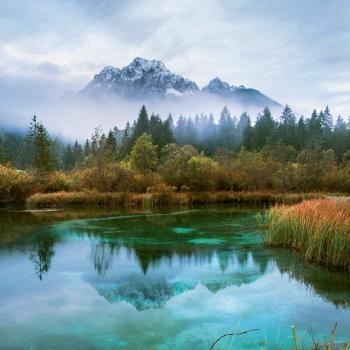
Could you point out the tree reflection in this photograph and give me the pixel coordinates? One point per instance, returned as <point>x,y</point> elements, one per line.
<point>41,254</point>
<point>102,256</point>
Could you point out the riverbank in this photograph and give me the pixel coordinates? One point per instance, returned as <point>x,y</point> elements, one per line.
<point>319,229</point>
<point>93,198</point>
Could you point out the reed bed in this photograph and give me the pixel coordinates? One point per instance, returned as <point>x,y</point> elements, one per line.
<point>320,229</point>
<point>94,198</point>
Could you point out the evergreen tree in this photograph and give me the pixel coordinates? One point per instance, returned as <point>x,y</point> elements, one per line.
<point>41,145</point>
<point>167,132</point>
<point>141,126</point>
<point>243,123</point>
<point>87,149</point>
<point>340,139</point>
<point>301,134</point>
<point>263,130</point>
<point>155,129</point>
<point>286,129</point>
<point>68,158</point>
<point>180,130</point>
<point>78,153</point>
<point>111,146</point>
<point>314,130</point>
<point>126,141</point>
<point>226,130</point>
<point>327,120</point>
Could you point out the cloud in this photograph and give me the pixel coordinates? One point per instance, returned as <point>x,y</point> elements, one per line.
<point>293,51</point>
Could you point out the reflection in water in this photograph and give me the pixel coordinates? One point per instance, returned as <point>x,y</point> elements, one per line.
<point>156,281</point>
<point>175,239</point>
<point>140,291</point>
<point>329,285</point>
<point>155,241</point>
<point>42,254</point>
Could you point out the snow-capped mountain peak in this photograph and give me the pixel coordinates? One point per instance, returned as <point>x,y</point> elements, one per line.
<point>151,78</point>
<point>217,86</point>
<point>140,77</point>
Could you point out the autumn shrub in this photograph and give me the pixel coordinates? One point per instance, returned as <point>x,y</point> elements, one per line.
<point>56,181</point>
<point>15,185</point>
<point>115,177</point>
<point>174,165</point>
<point>252,172</point>
<point>141,182</point>
<point>202,174</point>
<point>337,180</point>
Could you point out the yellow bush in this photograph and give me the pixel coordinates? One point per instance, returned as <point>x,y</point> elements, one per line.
<point>15,184</point>
<point>114,177</point>
<point>141,182</point>
<point>57,181</point>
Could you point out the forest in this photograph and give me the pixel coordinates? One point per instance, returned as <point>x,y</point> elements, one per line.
<point>276,153</point>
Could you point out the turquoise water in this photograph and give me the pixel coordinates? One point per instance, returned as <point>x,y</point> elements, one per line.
<point>164,280</point>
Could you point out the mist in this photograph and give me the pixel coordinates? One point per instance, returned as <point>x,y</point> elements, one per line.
<point>74,117</point>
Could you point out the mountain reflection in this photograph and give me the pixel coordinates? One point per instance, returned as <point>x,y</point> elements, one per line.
<point>146,260</point>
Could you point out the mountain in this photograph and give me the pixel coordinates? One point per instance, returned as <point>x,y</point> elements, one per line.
<point>140,78</point>
<point>239,94</point>
<point>150,78</point>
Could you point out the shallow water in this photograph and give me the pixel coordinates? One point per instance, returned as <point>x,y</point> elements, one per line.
<point>158,280</point>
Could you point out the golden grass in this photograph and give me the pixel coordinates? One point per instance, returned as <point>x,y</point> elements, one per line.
<point>94,198</point>
<point>320,229</point>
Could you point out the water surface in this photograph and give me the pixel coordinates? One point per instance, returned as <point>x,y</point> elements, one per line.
<point>158,280</point>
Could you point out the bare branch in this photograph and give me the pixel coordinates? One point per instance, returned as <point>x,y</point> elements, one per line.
<point>231,334</point>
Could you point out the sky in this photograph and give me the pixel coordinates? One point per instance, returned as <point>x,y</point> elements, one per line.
<point>296,51</point>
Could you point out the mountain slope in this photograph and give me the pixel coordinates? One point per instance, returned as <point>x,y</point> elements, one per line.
<point>140,78</point>
<point>150,78</point>
<point>240,94</point>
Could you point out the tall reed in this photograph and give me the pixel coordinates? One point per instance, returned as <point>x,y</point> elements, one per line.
<point>320,229</point>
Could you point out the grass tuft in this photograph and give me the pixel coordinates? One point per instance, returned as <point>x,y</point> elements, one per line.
<point>320,229</point>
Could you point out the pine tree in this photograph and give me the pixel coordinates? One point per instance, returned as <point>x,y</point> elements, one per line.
<point>87,148</point>
<point>327,120</point>
<point>340,139</point>
<point>301,134</point>
<point>286,129</point>
<point>180,130</point>
<point>141,126</point>
<point>243,123</point>
<point>111,146</point>
<point>226,130</point>
<point>155,129</point>
<point>126,141</point>
<point>68,158</point>
<point>263,130</point>
<point>314,130</point>
<point>167,132</point>
<point>78,153</point>
<point>41,144</point>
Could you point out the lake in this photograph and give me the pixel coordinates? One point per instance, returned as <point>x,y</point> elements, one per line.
<point>166,279</point>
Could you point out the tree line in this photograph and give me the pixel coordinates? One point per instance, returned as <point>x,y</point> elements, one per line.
<point>318,132</point>
<point>199,154</point>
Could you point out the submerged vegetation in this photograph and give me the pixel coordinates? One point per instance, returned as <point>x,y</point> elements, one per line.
<point>319,229</point>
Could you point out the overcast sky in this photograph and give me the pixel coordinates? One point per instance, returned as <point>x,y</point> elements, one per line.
<point>296,52</point>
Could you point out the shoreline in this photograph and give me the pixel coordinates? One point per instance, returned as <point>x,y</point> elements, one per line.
<point>115,199</point>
